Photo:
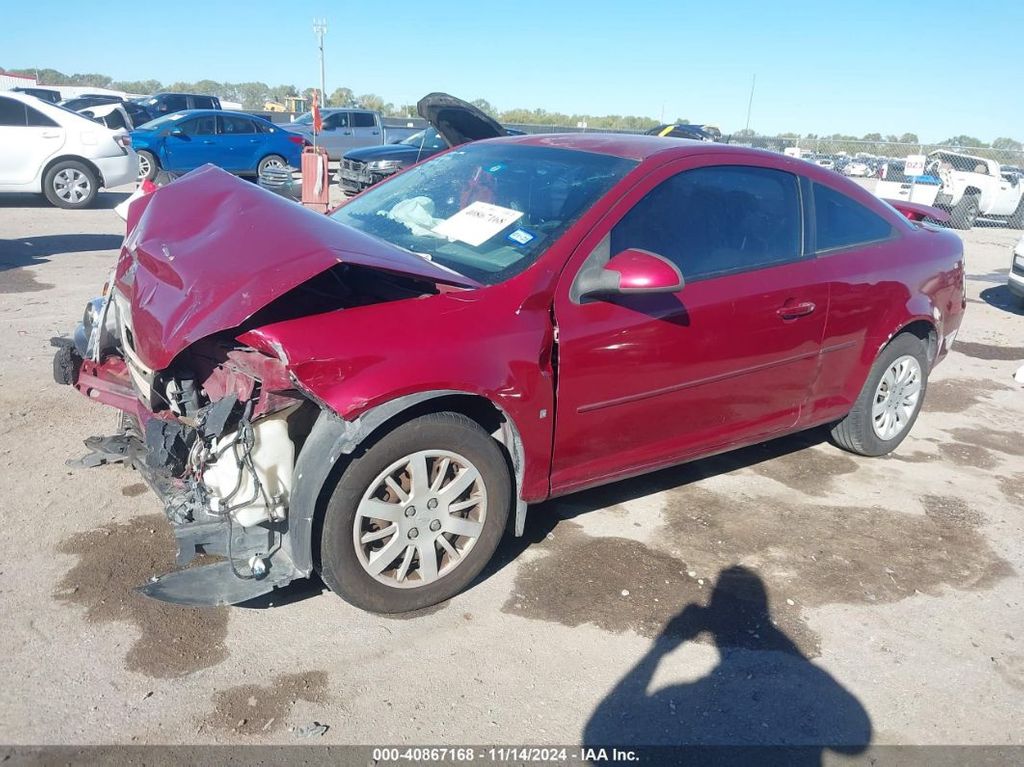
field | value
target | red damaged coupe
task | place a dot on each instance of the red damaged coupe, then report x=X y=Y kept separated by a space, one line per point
x=377 y=394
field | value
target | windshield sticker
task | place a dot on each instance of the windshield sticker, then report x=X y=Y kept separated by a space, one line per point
x=520 y=236
x=477 y=223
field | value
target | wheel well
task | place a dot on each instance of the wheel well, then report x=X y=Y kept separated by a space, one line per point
x=475 y=407
x=490 y=417
x=76 y=158
x=925 y=331
x=972 y=190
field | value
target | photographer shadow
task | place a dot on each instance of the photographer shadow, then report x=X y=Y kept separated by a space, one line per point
x=763 y=694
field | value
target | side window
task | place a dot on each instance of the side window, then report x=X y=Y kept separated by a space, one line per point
x=363 y=120
x=36 y=119
x=200 y=126
x=840 y=222
x=232 y=125
x=173 y=103
x=717 y=220
x=336 y=120
x=204 y=102
x=12 y=113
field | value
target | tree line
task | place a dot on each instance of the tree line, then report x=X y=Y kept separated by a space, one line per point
x=254 y=95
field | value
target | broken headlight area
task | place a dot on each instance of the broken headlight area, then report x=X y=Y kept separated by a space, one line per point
x=219 y=449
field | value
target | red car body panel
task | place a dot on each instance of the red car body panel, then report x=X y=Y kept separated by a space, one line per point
x=596 y=391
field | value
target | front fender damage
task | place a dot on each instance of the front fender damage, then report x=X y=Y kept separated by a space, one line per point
x=332 y=438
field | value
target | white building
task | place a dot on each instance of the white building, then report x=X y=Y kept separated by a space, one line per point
x=9 y=81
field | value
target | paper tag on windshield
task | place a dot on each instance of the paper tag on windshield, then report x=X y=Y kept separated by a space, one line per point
x=477 y=223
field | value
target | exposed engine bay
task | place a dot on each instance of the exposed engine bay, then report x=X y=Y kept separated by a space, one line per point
x=216 y=434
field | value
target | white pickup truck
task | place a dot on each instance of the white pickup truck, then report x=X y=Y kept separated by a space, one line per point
x=976 y=186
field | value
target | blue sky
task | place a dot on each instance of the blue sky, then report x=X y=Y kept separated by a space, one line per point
x=937 y=69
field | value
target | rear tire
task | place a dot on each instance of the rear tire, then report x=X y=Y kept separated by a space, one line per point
x=867 y=428
x=381 y=522
x=71 y=184
x=148 y=165
x=965 y=212
x=275 y=160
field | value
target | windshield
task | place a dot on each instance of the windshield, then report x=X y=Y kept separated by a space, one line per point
x=304 y=119
x=485 y=210
x=429 y=138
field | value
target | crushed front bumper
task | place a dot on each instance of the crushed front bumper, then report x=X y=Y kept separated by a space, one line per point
x=248 y=561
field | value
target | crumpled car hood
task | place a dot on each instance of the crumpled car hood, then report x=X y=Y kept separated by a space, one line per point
x=207 y=251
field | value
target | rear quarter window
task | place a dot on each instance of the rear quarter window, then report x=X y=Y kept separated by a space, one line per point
x=12 y=113
x=841 y=222
x=363 y=120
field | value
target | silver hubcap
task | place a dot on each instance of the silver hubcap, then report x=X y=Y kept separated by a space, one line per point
x=896 y=397
x=71 y=185
x=419 y=518
x=143 y=166
x=272 y=162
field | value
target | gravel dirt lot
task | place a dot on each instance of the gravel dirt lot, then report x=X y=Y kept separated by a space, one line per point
x=789 y=592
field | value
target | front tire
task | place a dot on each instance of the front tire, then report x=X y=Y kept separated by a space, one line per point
x=414 y=519
x=148 y=165
x=70 y=184
x=890 y=401
x=965 y=212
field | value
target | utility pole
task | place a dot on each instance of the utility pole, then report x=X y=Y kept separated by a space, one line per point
x=750 y=103
x=320 y=29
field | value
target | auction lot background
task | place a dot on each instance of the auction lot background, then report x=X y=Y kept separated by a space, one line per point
x=786 y=593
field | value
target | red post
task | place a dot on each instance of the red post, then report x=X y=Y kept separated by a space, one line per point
x=316 y=179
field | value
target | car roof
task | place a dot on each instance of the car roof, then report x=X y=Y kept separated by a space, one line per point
x=200 y=112
x=628 y=146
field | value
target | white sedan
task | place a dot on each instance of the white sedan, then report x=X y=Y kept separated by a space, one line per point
x=68 y=157
x=856 y=168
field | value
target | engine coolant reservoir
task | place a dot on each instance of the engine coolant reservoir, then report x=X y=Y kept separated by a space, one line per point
x=273 y=457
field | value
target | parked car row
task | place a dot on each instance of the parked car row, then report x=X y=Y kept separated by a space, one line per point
x=452 y=122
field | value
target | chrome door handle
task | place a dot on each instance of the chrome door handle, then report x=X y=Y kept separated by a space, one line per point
x=50 y=134
x=792 y=311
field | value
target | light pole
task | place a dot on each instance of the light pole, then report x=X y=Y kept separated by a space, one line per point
x=750 y=103
x=320 y=29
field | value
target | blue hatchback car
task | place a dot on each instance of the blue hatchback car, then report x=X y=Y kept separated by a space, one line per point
x=237 y=142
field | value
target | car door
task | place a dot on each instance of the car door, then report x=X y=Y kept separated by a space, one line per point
x=241 y=143
x=191 y=143
x=336 y=137
x=365 y=130
x=649 y=380
x=28 y=138
x=856 y=249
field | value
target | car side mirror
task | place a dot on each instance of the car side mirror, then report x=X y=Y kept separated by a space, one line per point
x=631 y=271
x=176 y=132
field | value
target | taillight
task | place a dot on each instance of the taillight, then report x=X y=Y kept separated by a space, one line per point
x=297 y=140
x=123 y=140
